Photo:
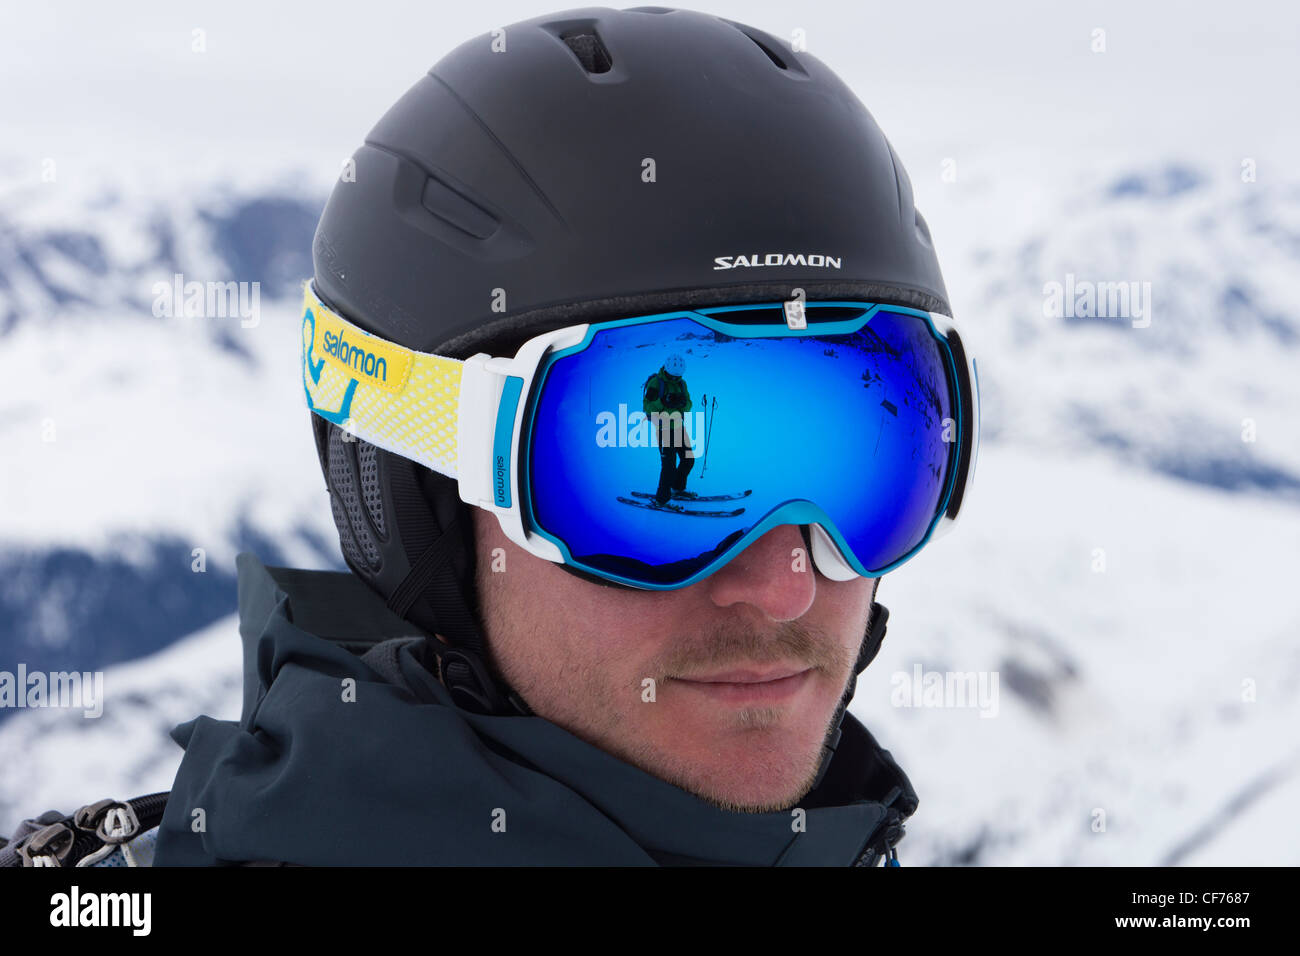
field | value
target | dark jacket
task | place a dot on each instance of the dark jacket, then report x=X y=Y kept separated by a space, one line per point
x=401 y=775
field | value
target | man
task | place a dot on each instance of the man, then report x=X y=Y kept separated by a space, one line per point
x=518 y=667
x=666 y=401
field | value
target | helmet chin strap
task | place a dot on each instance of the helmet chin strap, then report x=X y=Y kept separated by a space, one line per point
x=866 y=654
x=462 y=659
x=472 y=684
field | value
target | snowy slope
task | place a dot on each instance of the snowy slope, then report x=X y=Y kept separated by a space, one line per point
x=1221 y=259
x=59 y=759
x=1120 y=689
x=138 y=437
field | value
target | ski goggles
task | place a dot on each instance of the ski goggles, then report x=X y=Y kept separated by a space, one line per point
x=857 y=421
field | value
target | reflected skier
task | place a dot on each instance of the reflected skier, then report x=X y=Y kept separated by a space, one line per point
x=666 y=401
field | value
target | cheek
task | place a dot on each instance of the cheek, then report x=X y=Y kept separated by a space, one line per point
x=555 y=636
x=843 y=608
x=605 y=634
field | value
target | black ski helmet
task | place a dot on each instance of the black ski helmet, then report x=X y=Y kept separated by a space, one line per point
x=589 y=164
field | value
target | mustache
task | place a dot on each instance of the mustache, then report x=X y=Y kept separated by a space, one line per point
x=727 y=645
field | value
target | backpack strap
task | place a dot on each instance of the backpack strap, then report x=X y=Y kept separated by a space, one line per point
x=646 y=394
x=85 y=837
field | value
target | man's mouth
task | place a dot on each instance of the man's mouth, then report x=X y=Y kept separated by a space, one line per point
x=750 y=685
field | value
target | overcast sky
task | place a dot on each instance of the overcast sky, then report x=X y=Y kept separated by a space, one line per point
x=294 y=78
x=1010 y=91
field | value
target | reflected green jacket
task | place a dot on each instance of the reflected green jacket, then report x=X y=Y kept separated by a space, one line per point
x=665 y=393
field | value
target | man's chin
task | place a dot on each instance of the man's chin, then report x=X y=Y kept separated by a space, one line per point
x=752 y=759
x=755 y=796
x=750 y=776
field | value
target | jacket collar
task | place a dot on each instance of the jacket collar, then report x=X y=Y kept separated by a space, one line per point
x=566 y=801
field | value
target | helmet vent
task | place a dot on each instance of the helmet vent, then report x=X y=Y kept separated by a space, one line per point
x=591 y=53
x=770 y=46
x=771 y=55
x=923 y=230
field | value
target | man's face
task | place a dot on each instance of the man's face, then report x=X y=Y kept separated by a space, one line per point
x=747 y=666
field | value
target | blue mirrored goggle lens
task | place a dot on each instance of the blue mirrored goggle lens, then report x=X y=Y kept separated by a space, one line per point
x=859 y=424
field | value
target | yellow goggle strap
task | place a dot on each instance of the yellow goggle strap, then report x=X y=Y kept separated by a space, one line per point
x=400 y=400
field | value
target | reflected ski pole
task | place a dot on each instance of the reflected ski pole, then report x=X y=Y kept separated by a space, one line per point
x=708 y=429
x=703 y=461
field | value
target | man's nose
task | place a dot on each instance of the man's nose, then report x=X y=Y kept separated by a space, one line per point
x=774 y=574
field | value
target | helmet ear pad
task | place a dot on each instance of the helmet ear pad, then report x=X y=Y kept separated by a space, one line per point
x=388 y=511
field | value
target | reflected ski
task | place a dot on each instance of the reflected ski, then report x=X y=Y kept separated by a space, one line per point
x=688 y=497
x=674 y=508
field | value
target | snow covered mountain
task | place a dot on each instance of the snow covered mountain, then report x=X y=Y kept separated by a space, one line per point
x=1123 y=570
x=96 y=245
x=146 y=447
x=1172 y=386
